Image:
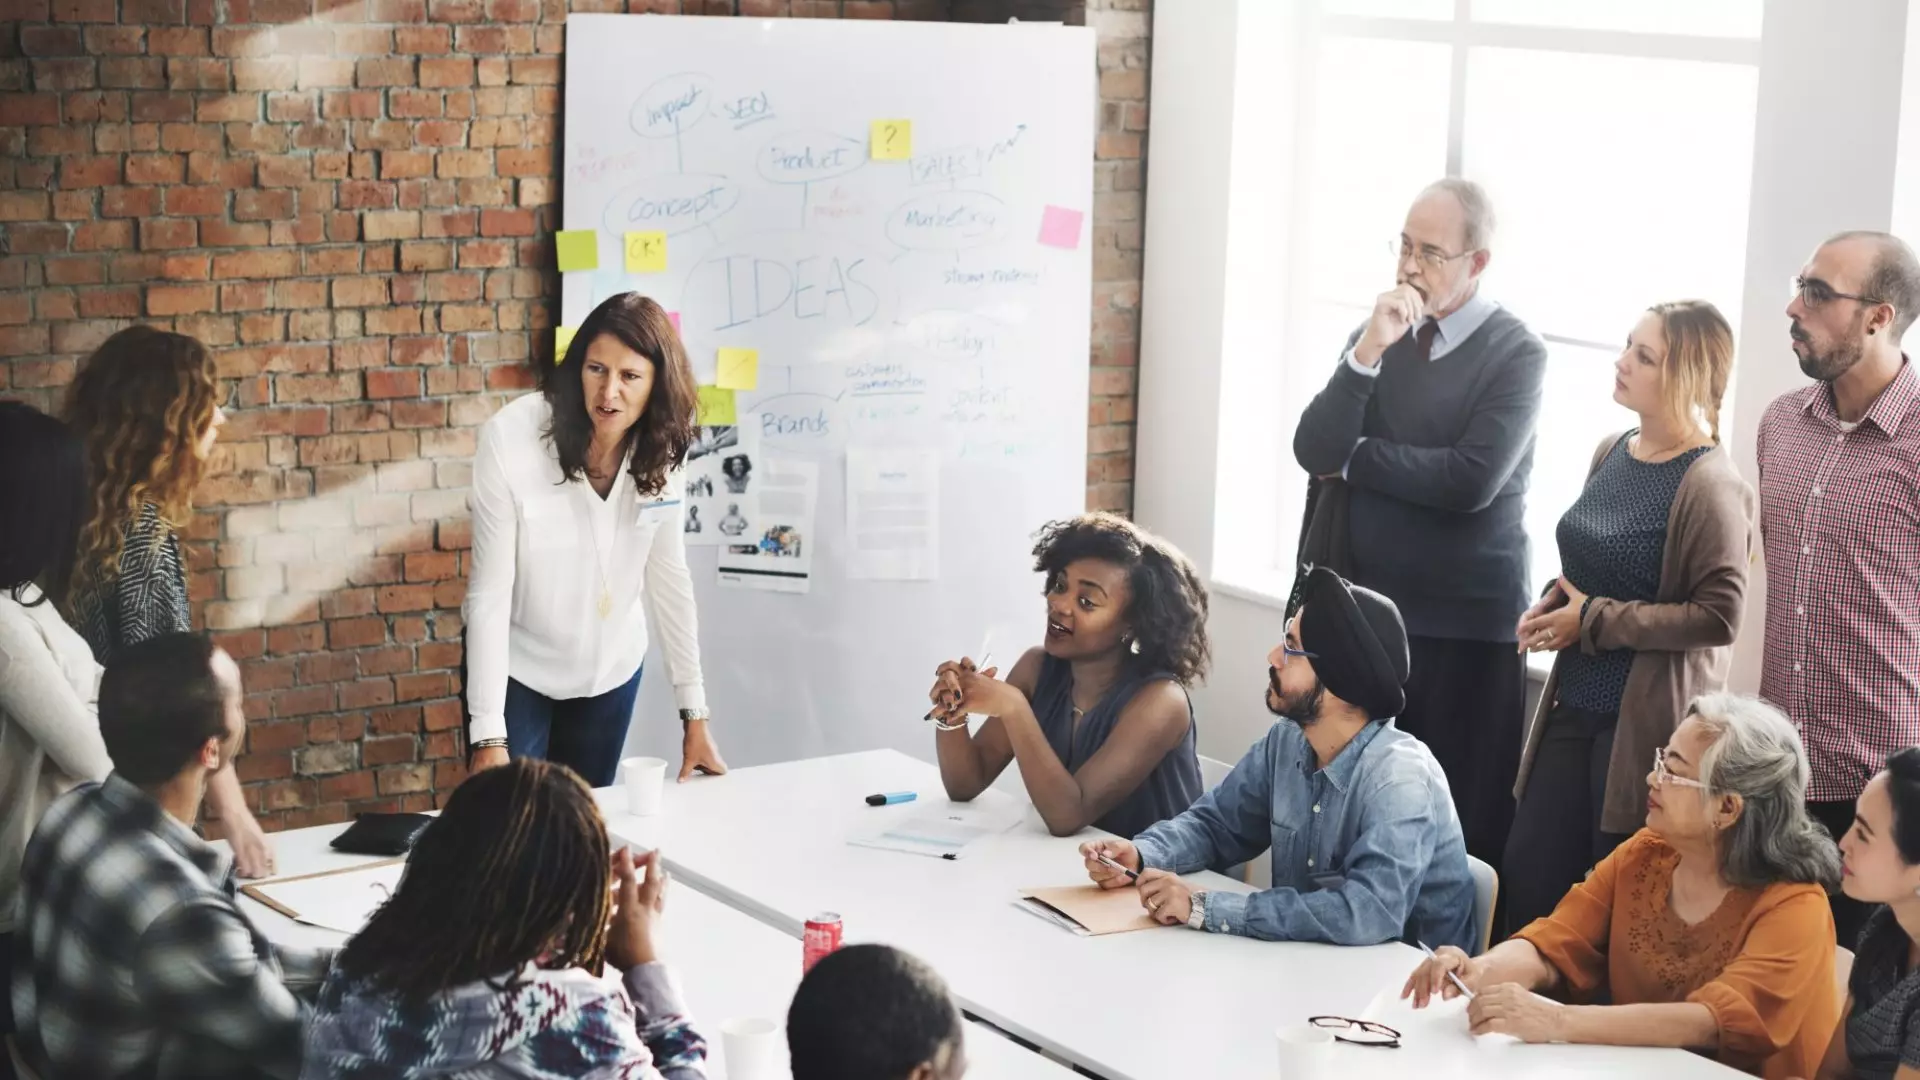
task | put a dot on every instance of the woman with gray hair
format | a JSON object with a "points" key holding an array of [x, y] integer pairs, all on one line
{"points": [[1708, 929]]}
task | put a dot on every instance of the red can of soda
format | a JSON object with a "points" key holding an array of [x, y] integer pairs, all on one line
{"points": [[822, 936]]}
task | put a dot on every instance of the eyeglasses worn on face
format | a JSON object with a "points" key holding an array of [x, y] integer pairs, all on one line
{"points": [[1358, 1032], [1665, 778], [1431, 258], [1288, 652], [1815, 293]]}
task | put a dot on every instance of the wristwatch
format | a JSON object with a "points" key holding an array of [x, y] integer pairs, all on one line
{"points": [[687, 716], [1197, 916]]}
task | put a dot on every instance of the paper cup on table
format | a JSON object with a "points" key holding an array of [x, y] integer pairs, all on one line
{"points": [[646, 776], [1306, 1052], [750, 1047]]}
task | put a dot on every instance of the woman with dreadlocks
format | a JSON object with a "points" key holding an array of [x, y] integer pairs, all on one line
{"points": [[486, 961]]}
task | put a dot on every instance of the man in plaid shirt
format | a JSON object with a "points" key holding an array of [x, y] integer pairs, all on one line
{"points": [[132, 959], [1840, 518]]}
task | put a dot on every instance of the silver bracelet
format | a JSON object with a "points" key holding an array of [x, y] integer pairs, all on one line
{"points": [[942, 725]]}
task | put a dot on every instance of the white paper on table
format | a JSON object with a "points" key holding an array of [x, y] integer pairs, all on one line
{"points": [[722, 481], [942, 830], [342, 902], [893, 514], [778, 555], [1439, 1023]]}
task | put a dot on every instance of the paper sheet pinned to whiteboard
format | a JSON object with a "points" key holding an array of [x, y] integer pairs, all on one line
{"points": [[893, 514], [778, 555]]}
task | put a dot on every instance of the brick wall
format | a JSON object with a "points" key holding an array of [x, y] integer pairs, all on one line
{"points": [[352, 202]]}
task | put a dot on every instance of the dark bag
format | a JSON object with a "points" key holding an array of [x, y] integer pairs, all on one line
{"points": [[382, 834], [1326, 538]]}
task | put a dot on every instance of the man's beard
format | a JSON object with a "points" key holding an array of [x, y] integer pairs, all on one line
{"points": [[1302, 709], [1836, 362]]}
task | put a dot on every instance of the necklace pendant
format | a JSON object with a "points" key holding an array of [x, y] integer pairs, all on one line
{"points": [[605, 605]]}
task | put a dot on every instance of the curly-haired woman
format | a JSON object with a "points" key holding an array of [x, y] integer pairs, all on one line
{"points": [[146, 406], [577, 530], [1098, 716]]}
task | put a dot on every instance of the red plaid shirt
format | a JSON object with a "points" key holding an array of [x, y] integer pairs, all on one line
{"points": [[1840, 519]]}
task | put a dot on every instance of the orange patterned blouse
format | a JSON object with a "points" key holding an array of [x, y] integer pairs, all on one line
{"points": [[1762, 963]]}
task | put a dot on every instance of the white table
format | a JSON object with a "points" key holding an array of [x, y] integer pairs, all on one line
{"points": [[729, 964], [771, 841]]}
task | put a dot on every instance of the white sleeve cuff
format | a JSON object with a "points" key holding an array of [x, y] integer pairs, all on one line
{"points": [[690, 696], [1369, 372], [486, 726]]}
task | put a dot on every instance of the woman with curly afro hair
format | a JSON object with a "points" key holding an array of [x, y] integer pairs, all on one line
{"points": [[1098, 716], [146, 406]]}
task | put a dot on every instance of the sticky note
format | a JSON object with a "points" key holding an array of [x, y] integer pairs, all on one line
{"points": [[674, 318], [739, 369], [579, 249], [562, 337], [1060, 227], [892, 140], [646, 252], [716, 406]]}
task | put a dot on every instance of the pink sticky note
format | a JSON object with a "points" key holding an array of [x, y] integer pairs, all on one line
{"points": [[674, 317], [1060, 227]]}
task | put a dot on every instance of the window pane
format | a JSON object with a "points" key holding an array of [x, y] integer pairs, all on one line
{"points": [[1377, 134], [1619, 182], [1391, 9], [1705, 18], [1577, 412]]}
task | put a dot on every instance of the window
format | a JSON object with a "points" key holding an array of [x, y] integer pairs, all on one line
{"points": [[1616, 141]]}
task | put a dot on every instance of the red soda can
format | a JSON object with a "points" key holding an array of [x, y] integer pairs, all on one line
{"points": [[821, 937]]}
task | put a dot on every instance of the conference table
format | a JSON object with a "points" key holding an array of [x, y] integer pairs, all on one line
{"points": [[772, 841], [729, 965]]}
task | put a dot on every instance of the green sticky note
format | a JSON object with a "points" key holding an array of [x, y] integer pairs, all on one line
{"points": [[716, 406], [562, 337], [646, 252], [739, 369], [579, 249]]}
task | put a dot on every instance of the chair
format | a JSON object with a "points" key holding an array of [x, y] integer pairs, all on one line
{"points": [[1842, 969], [1256, 871], [1486, 893]]}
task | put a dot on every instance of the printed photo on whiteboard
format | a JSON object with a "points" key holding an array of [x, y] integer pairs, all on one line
{"points": [[893, 514], [776, 551], [721, 462]]}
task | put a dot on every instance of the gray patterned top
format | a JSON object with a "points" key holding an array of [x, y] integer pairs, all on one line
{"points": [[1881, 1033], [148, 597]]}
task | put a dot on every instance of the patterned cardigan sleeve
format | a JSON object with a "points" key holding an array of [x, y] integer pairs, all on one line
{"points": [[151, 584]]}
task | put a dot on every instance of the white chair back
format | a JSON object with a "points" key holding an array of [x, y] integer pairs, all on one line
{"points": [[1486, 893], [1257, 871], [1842, 969]]}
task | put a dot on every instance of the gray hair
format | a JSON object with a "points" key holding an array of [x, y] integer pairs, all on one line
{"points": [[1476, 207], [1756, 754], [1894, 278]]}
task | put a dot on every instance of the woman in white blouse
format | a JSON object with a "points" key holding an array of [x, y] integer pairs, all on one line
{"points": [[49, 730], [577, 520]]}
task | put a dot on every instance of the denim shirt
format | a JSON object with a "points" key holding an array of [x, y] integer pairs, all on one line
{"points": [[1365, 850]]}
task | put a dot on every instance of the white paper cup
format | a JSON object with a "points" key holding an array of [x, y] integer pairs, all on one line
{"points": [[1306, 1052], [750, 1047], [646, 776]]}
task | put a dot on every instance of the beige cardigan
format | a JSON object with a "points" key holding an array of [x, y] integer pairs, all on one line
{"points": [[1682, 641]]}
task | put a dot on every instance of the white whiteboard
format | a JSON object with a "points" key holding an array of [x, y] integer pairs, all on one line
{"points": [[894, 304]]}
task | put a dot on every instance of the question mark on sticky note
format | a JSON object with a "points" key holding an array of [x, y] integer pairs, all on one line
{"points": [[892, 140]]}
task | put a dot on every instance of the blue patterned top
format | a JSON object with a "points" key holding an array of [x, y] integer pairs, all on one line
{"points": [[1611, 544]]}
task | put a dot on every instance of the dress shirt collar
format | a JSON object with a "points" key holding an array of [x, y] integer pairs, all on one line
{"points": [[1892, 406], [1340, 770]]}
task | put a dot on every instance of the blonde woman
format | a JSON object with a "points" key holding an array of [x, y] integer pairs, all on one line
{"points": [[146, 407], [1653, 582]]}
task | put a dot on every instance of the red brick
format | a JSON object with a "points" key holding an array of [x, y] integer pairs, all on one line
{"points": [[342, 386], [353, 633], [196, 201], [156, 169], [84, 172], [50, 41], [262, 205], [162, 234], [23, 206], [181, 299], [353, 785], [99, 11], [359, 291], [393, 383], [120, 303], [385, 71], [223, 234]]}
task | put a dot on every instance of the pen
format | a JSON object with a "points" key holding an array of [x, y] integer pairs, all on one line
{"points": [[891, 798], [1451, 977], [1106, 860], [986, 661]]}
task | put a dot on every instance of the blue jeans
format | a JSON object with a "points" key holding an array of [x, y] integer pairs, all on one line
{"points": [[584, 734]]}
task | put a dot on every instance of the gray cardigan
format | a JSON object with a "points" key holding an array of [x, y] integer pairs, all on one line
{"points": [[1682, 641]]}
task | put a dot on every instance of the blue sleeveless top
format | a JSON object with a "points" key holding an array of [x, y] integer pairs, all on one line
{"points": [[1170, 788]]}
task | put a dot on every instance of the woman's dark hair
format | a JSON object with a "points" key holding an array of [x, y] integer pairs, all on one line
{"points": [[869, 1012], [159, 704], [514, 869], [1169, 609], [1903, 787], [43, 499], [659, 439], [745, 463]]}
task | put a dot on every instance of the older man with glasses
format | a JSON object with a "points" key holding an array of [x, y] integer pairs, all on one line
{"points": [[1840, 521], [1429, 420]]}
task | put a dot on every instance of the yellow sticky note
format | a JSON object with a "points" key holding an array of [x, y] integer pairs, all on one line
{"points": [[739, 369], [646, 252], [562, 337], [579, 249], [892, 140], [716, 406]]}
